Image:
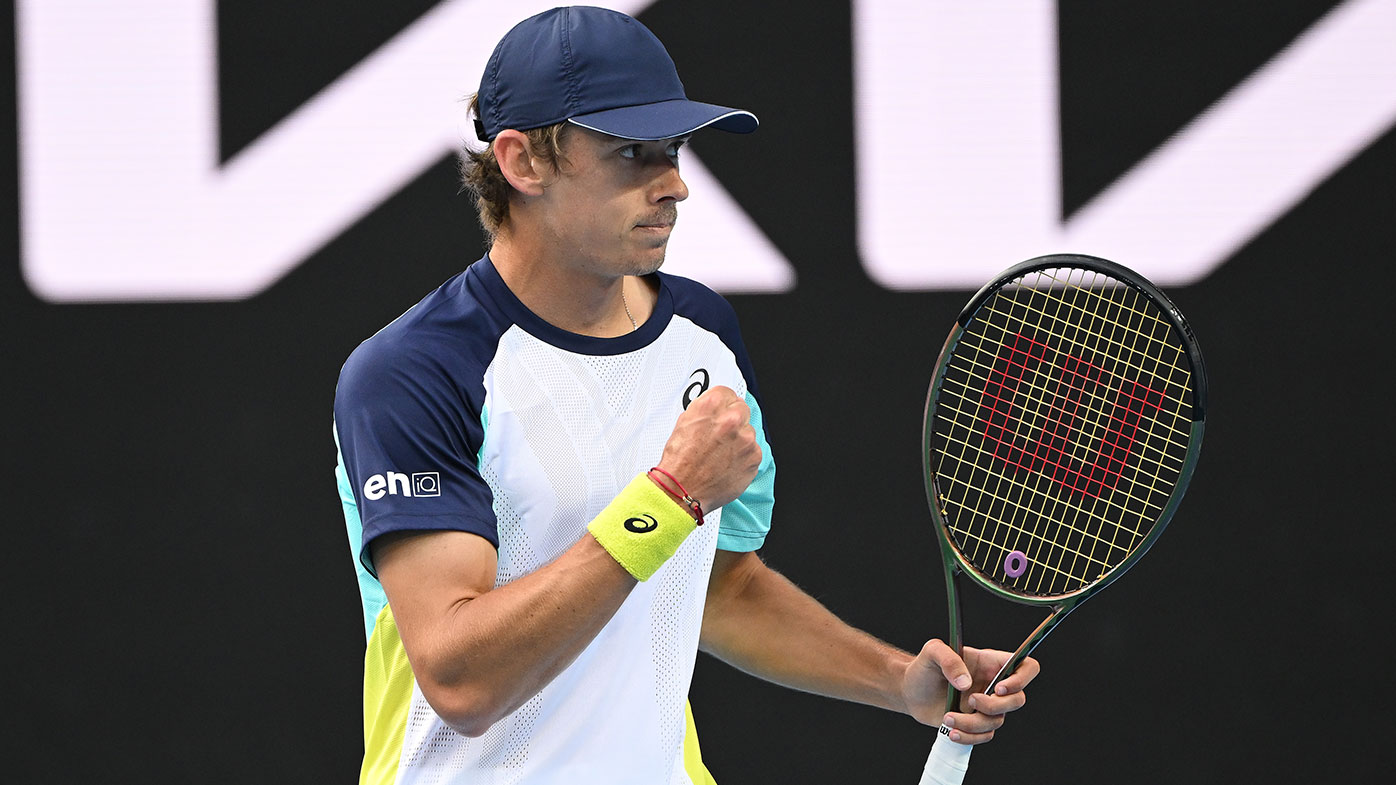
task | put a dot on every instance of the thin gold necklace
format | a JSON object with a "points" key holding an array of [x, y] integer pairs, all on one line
{"points": [[633, 324]]}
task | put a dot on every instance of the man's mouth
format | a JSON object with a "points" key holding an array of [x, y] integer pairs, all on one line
{"points": [[664, 220]]}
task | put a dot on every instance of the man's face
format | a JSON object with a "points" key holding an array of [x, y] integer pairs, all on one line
{"points": [[613, 203]]}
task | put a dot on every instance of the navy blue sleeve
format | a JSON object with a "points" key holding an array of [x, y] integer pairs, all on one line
{"points": [[410, 434]]}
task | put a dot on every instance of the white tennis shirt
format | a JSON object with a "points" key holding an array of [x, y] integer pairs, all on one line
{"points": [[470, 413]]}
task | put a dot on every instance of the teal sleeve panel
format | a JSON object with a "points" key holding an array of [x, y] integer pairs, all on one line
{"points": [[747, 520], [370, 590]]}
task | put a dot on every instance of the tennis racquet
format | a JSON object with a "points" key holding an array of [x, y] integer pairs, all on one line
{"points": [[1063, 423]]}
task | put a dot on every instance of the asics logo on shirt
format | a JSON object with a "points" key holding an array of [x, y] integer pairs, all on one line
{"points": [[399, 484], [697, 388]]}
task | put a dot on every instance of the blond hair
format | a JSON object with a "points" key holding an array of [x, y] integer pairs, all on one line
{"points": [[481, 176]]}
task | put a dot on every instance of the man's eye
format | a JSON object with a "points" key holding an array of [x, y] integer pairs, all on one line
{"points": [[674, 148], [630, 151]]}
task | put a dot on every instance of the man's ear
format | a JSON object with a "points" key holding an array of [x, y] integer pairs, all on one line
{"points": [[525, 172]]}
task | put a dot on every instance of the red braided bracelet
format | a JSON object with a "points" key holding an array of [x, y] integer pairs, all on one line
{"points": [[680, 494]]}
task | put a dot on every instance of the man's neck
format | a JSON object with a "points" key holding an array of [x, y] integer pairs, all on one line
{"points": [[572, 300]]}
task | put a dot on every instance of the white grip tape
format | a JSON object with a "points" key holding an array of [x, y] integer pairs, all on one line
{"points": [[947, 763]]}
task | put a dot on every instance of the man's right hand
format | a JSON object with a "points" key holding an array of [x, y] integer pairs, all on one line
{"points": [[713, 450]]}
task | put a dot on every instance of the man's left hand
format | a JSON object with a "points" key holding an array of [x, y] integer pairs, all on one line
{"points": [[925, 682]]}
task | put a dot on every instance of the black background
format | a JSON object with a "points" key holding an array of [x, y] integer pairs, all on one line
{"points": [[181, 602]]}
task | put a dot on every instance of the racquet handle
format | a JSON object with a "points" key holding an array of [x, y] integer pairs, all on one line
{"points": [[947, 763]]}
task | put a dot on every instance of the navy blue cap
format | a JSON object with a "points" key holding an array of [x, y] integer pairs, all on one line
{"points": [[595, 68]]}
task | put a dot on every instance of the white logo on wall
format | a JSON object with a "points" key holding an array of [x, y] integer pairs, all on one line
{"points": [[399, 484], [149, 214], [981, 187]]}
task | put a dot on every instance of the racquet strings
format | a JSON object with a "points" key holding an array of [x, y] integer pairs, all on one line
{"points": [[1060, 429]]}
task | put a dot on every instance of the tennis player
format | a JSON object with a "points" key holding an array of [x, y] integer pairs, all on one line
{"points": [[554, 468]]}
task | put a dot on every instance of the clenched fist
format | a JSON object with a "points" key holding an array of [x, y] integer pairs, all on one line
{"points": [[713, 450]]}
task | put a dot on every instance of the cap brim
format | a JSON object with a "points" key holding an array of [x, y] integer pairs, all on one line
{"points": [[666, 120]]}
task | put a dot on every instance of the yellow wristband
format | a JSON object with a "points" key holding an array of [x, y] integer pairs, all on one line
{"points": [[642, 527]]}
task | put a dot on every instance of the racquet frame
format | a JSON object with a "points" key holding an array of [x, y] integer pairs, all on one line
{"points": [[955, 562]]}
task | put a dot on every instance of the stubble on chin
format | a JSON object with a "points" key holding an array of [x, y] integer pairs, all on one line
{"points": [[655, 254], [648, 266]]}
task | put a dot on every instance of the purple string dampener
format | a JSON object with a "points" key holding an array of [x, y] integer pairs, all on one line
{"points": [[1015, 564]]}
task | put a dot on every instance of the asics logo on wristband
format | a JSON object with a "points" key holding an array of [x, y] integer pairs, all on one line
{"points": [[642, 524], [398, 484]]}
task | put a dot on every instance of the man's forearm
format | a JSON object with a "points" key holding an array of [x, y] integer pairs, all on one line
{"points": [[484, 655], [760, 622]]}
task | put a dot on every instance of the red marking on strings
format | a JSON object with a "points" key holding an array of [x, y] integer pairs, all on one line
{"points": [[1075, 382]]}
